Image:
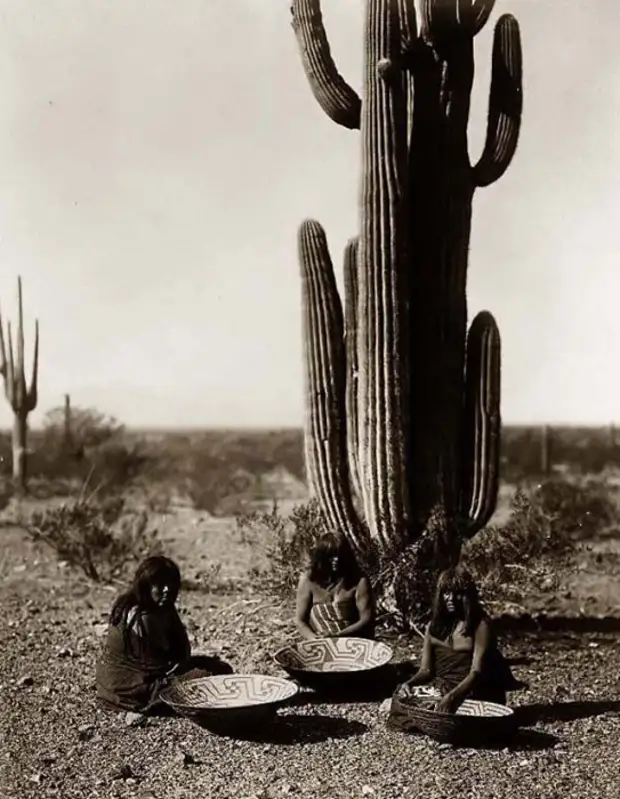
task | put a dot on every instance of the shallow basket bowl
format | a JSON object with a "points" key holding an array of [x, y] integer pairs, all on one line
{"points": [[334, 662], [229, 701], [474, 723]]}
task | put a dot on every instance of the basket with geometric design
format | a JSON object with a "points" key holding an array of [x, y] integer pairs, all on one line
{"points": [[475, 722], [334, 663], [226, 703]]}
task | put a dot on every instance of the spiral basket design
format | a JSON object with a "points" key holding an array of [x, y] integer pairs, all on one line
{"points": [[334, 655]]}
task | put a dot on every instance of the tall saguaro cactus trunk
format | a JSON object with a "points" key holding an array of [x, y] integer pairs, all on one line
{"points": [[403, 402], [21, 396]]}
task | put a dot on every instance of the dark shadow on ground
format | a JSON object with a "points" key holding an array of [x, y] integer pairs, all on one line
{"points": [[521, 741], [353, 688], [520, 660], [528, 715], [293, 728]]}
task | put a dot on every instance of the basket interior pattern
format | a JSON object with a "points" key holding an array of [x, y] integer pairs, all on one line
{"points": [[230, 691], [473, 707], [334, 655]]}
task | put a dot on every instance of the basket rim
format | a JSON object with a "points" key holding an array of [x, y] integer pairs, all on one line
{"points": [[165, 694]]}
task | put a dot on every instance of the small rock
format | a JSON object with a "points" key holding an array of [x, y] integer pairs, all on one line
{"points": [[124, 773], [134, 719], [64, 652], [185, 758], [367, 790], [385, 706], [25, 681], [86, 732]]}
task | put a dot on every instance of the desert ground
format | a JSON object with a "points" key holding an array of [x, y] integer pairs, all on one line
{"points": [[56, 743]]}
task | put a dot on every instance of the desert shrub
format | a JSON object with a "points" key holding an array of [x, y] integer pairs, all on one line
{"points": [[522, 555], [581, 510], [283, 543], [528, 533], [99, 537], [88, 428], [214, 479]]}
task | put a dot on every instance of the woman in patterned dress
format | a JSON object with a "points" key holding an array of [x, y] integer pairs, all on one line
{"points": [[460, 656], [334, 597]]}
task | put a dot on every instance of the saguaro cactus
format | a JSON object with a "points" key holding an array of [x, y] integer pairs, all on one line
{"points": [[22, 398], [403, 404]]}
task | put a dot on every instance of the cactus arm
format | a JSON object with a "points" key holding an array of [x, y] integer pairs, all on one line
{"points": [[381, 271], [326, 446], [337, 99], [351, 292], [10, 382], [481, 425], [3, 359], [505, 103], [20, 377], [32, 392]]}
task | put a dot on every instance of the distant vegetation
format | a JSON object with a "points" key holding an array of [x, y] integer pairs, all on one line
{"points": [[229, 471]]}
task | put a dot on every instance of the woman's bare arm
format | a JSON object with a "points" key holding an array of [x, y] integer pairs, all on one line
{"points": [[365, 603], [304, 603], [425, 672], [482, 640]]}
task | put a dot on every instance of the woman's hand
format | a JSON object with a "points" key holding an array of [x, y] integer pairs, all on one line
{"points": [[447, 704]]}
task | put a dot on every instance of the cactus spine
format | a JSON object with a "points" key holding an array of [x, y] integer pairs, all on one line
{"points": [[22, 398], [403, 405]]}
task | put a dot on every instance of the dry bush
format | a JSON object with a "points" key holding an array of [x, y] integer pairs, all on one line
{"points": [[98, 536], [523, 555], [282, 543]]}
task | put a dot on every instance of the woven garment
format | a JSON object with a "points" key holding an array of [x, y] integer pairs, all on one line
{"points": [[132, 668], [330, 618]]}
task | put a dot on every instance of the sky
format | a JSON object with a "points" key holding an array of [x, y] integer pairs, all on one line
{"points": [[157, 159]]}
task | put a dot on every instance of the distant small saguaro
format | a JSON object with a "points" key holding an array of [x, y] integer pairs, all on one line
{"points": [[22, 398]]}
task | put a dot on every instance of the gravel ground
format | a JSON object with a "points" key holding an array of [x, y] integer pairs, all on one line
{"points": [[55, 743]]}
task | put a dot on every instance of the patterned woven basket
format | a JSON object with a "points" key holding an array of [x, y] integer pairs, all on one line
{"points": [[334, 663], [474, 723], [229, 702]]}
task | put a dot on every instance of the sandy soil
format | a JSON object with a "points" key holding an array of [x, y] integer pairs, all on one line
{"points": [[56, 744]]}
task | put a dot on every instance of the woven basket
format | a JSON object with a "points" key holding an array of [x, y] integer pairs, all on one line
{"points": [[335, 664], [228, 702], [474, 723]]}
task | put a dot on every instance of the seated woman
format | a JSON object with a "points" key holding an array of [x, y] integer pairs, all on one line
{"points": [[334, 597], [460, 656], [147, 642]]}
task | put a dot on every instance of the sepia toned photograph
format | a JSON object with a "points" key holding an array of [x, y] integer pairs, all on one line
{"points": [[310, 425]]}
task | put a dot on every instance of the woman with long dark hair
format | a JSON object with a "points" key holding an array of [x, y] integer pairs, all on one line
{"points": [[460, 656], [334, 597], [147, 642]]}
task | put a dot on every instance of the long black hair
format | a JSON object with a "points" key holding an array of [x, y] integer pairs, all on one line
{"points": [[328, 547], [156, 570], [457, 580]]}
